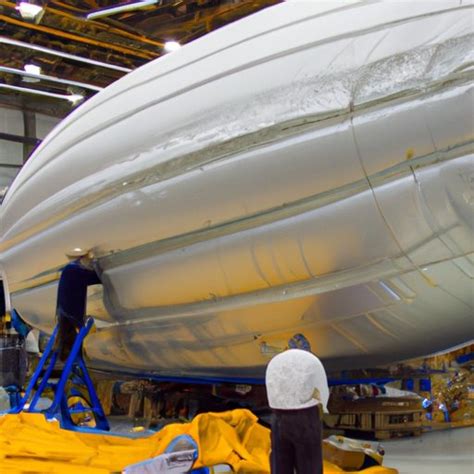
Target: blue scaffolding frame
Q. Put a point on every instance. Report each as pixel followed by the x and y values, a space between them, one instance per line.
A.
pixel 74 371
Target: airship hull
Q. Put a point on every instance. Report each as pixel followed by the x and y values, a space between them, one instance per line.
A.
pixel 307 171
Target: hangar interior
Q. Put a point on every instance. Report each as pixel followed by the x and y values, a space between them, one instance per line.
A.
pixel 381 291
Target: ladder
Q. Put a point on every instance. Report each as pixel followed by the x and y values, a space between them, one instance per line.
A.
pixel 75 372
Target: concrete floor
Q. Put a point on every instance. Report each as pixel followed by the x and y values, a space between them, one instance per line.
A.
pixel 439 452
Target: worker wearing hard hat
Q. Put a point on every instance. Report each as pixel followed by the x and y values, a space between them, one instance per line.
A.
pixel 71 304
pixel 296 388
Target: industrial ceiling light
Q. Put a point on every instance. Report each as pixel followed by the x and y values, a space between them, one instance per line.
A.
pixel 30 10
pixel 21 72
pixel 34 47
pixel 126 7
pixel 73 98
pixel 31 69
pixel 171 46
pixel 75 94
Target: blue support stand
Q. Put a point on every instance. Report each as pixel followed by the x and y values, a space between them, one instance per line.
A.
pixel 74 371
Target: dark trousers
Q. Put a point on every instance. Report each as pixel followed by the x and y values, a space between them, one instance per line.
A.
pixel 296 442
pixel 68 329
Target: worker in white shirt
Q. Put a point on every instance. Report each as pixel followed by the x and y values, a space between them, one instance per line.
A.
pixel 297 390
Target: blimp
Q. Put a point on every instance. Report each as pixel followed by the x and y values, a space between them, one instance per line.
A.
pixel 305 173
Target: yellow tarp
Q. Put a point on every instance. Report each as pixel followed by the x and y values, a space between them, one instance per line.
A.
pixel 31 444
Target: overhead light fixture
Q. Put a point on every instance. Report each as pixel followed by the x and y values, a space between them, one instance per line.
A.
pixel 32 69
pixel 21 72
pixel 126 7
pixel 53 52
pixel 30 11
pixel 171 46
pixel 75 95
pixel 73 98
pixel 393 294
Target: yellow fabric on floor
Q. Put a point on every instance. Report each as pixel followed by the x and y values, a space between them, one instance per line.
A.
pixel 330 468
pixel 31 444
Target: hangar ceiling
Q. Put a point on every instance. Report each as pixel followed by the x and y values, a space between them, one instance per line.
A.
pixel 79 56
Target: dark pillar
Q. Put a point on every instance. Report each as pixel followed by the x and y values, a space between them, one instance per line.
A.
pixel 29 126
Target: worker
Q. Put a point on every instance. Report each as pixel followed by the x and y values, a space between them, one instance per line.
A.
pixel 71 303
pixel 297 391
pixel 427 404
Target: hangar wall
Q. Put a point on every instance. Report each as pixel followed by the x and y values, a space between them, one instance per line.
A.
pixel 20 133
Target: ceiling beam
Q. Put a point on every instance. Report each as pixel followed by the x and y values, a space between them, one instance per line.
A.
pixel 44 77
pixel 70 97
pixel 96 25
pixel 61 54
pixel 80 39
pixel 121 8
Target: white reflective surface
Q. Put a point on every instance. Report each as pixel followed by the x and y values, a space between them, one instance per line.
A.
pixel 306 170
pixel 441 452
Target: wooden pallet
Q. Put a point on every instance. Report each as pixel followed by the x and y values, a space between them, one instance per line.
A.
pixel 384 418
